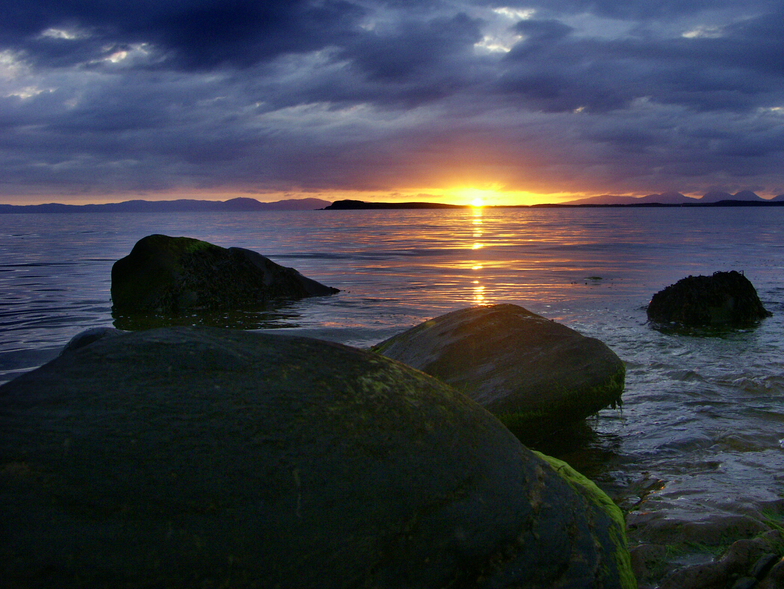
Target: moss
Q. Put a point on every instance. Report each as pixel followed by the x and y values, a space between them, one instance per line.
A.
pixel 773 519
pixel 407 335
pixel 617 533
pixel 179 245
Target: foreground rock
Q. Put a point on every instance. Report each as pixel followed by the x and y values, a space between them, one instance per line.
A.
pixel 726 299
pixel 532 373
pixel 187 457
pixel 172 274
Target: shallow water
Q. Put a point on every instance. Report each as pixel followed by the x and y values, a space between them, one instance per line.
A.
pixel 701 433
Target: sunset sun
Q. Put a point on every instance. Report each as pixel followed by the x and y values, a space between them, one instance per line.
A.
pixel 476 197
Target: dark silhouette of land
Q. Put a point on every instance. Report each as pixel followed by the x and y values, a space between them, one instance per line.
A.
pixel 744 198
pixel 173 206
pixel 345 205
pixel 714 197
pixel 668 199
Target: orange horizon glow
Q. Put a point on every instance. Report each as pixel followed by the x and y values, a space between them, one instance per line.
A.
pixel 465 196
pixel 477 197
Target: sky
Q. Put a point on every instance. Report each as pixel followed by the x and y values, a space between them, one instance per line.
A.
pixel 398 100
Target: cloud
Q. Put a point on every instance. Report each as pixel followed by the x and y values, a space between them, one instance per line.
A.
pixel 189 35
pixel 102 98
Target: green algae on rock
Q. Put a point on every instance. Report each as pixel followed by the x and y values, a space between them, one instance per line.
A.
pixel 173 274
pixel 616 532
pixel 532 373
pixel 194 457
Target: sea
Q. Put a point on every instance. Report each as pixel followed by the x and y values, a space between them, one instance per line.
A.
pixel 699 439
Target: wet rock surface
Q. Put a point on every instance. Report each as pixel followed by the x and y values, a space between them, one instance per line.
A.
pixel 534 374
pixel 745 564
pixel 719 553
pixel 195 457
pixel 89 336
pixel 165 274
pixel 723 300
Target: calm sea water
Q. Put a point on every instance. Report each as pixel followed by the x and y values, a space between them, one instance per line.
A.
pixel 701 433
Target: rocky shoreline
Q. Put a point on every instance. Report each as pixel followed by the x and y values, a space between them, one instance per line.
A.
pixel 182 456
pixel 186 457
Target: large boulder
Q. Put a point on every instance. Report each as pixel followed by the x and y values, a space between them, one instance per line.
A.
pixel 532 373
pixel 726 299
pixel 198 457
pixel 173 274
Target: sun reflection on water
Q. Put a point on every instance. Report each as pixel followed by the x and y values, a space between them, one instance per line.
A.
pixel 479 293
pixel 478 289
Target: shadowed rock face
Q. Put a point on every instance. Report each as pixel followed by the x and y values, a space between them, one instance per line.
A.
pixel 533 373
pixel 726 299
pixel 172 274
pixel 194 457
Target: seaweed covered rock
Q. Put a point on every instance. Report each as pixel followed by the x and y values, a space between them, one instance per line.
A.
pixel 725 299
pixel 172 274
pixel 196 457
pixel 532 373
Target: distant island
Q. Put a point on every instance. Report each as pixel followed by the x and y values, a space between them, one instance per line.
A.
pixel 347 205
pixel 174 206
pixel 668 199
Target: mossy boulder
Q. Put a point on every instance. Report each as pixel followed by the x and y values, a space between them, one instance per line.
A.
pixel 165 274
pixel 723 300
pixel 198 457
pixel 532 373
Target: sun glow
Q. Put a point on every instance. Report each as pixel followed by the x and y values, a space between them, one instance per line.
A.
pixel 495 195
pixel 476 197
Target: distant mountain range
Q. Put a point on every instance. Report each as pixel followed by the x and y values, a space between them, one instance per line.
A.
pixel 676 198
pixel 174 206
pixel 715 198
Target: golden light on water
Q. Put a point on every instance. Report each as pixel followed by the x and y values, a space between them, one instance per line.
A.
pixel 479 293
pixel 478 288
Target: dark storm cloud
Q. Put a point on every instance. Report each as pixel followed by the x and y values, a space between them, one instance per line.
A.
pixel 198 34
pixel 413 49
pixel 640 96
pixel 556 71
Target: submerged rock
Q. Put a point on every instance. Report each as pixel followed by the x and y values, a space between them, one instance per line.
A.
pixel 172 274
pixel 726 299
pixel 532 373
pixel 193 457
